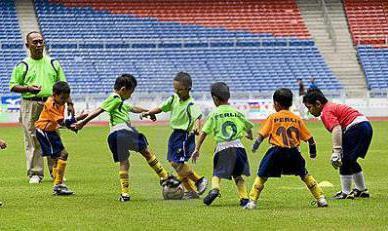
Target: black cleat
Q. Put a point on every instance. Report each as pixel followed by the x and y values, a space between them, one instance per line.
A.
pixel 360 194
pixel 244 202
pixel 201 185
pixel 124 197
pixel 171 181
pixel 62 190
pixel 213 194
pixel 341 196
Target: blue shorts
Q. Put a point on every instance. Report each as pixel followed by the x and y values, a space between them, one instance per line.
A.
pixel 231 162
pixel 355 144
pixel 122 141
pixel 50 143
pixel 282 161
pixel 180 146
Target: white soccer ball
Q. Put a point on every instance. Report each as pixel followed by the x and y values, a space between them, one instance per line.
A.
pixel 173 193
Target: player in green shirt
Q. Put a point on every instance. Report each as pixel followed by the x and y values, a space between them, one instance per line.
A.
pixel 34 78
pixel 123 137
pixel 185 118
pixel 228 126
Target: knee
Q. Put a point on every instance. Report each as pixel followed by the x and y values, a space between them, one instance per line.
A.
pixel 64 154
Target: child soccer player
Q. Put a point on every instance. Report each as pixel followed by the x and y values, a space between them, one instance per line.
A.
pixel 228 126
pixel 3 145
pixel 351 137
pixel 285 130
pixel 50 119
pixel 123 137
pixel 185 118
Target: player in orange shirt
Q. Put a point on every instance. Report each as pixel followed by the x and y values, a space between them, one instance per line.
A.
pixel 50 119
pixel 284 130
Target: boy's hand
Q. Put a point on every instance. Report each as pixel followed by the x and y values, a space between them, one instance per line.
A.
pixel 336 159
pixel 249 136
pixel 195 156
pixel 313 151
pixel 79 125
pixel 82 116
pixel 3 144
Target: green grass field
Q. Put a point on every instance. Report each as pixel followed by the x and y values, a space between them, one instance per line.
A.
pixel 285 202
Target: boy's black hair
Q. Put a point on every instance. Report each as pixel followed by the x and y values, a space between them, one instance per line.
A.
pixel 185 79
pixel 283 96
pixel 61 87
pixel 314 95
pixel 125 80
pixel 220 90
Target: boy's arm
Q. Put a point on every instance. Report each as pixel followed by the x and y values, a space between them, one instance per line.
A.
pixel 138 109
pixel 80 124
pixel 198 124
pixel 336 157
pixel 257 143
pixel 312 148
pixel 150 113
pixel 196 153
pixel 249 134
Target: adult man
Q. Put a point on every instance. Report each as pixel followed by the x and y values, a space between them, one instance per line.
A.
pixel 34 78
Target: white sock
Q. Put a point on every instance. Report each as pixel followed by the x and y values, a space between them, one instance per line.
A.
pixel 359 181
pixel 346 183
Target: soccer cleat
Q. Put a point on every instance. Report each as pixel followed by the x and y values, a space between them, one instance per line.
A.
pixel 1 204
pixel 171 181
pixel 244 202
pixel 201 185
pixel 62 190
pixel 341 196
pixel 35 179
pixel 322 202
pixel 189 195
pixel 124 197
pixel 213 194
pixel 250 205
pixel 360 193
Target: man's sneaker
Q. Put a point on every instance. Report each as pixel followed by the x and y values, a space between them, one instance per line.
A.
pixel 35 179
pixel 250 205
pixel 322 202
pixel 341 196
pixel 124 197
pixel 189 195
pixel 360 193
pixel 244 202
pixel 62 190
pixel 201 185
pixel 213 194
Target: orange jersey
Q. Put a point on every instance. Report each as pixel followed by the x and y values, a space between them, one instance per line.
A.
pixel 285 129
pixel 50 116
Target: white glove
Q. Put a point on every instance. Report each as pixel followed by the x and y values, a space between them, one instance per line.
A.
pixel 336 159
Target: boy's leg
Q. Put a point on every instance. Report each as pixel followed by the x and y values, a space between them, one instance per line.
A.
pixel 183 176
pixel 214 192
pixel 313 186
pixel 154 163
pixel 242 189
pixel 257 187
pixel 60 169
pixel 59 187
pixel 124 180
pixel 186 171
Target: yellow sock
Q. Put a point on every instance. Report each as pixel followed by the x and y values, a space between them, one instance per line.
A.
pixel 124 182
pixel 257 187
pixel 188 170
pixel 241 188
pixel 216 182
pixel 60 172
pixel 157 167
pixel 54 171
pixel 187 183
pixel 313 186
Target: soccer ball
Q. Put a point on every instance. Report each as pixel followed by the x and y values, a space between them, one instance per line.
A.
pixel 173 193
